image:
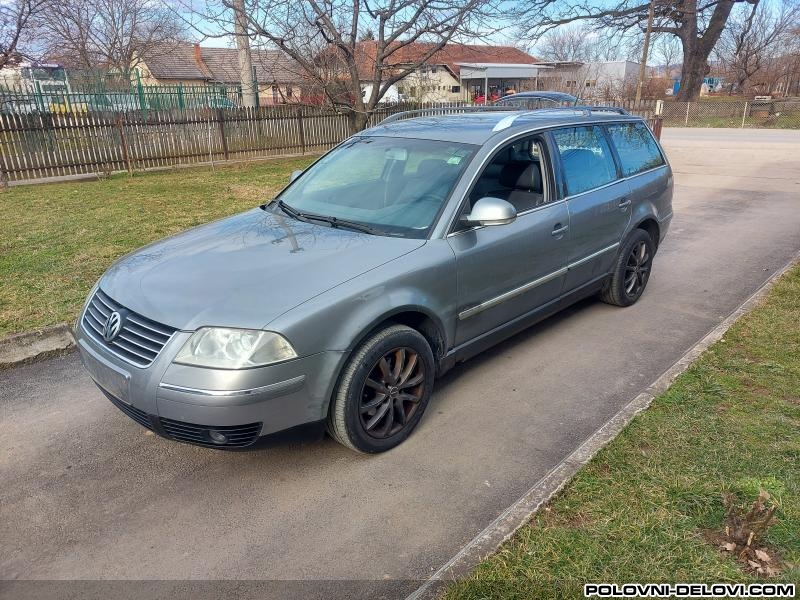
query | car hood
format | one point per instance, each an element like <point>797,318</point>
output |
<point>243,271</point>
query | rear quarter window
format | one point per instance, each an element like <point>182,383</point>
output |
<point>636,148</point>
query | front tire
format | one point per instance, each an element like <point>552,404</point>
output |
<point>383,391</point>
<point>631,271</point>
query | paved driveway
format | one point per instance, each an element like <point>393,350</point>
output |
<point>86,493</point>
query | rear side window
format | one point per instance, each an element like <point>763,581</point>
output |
<point>636,148</point>
<point>586,159</point>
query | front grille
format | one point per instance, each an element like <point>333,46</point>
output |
<point>238,435</point>
<point>134,413</point>
<point>140,339</point>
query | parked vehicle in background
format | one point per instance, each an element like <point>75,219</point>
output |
<point>536,100</point>
<point>409,247</point>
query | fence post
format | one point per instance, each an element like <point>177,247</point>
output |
<point>221,121</point>
<point>686,120</point>
<point>659,108</point>
<point>301,130</point>
<point>744,113</point>
<point>181,102</point>
<point>123,143</point>
<point>140,94</point>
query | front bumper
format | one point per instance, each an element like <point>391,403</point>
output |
<point>188,403</point>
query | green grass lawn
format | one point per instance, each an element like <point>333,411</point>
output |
<point>57,239</point>
<point>644,509</point>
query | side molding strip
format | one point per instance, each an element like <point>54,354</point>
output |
<point>466,314</point>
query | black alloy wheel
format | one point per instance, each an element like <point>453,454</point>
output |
<point>637,269</point>
<point>392,392</point>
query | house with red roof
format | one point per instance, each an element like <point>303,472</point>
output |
<point>455,72</point>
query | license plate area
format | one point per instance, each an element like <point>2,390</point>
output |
<point>108,377</point>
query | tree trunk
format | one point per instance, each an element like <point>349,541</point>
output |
<point>695,68</point>
<point>356,121</point>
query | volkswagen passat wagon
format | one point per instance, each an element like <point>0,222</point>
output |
<point>404,250</point>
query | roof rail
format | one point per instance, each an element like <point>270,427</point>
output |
<point>407,114</point>
<point>612,109</point>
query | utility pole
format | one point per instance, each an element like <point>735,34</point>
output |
<point>246,77</point>
<point>645,52</point>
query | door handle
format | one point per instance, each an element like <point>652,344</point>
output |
<point>624,203</point>
<point>559,230</point>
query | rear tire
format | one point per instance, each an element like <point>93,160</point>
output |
<point>631,271</point>
<point>383,391</point>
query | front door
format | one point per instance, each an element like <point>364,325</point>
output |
<point>508,270</point>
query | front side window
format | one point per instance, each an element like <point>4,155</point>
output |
<point>636,148</point>
<point>586,160</point>
<point>515,174</point>
<point>394,185</point>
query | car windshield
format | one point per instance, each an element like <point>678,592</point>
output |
<point>394,185</point>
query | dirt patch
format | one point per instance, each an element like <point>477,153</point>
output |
<point>742,532</point>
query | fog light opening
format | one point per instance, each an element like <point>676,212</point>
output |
<point>218,437</point>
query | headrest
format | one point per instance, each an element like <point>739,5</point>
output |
<point>522,176</point>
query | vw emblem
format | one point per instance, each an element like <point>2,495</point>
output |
<point>112,326</point>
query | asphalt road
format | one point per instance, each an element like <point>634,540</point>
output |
<point>85,493</point>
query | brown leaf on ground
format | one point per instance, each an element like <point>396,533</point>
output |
<point>762,556</point>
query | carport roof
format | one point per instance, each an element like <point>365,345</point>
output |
<point>477,70</point>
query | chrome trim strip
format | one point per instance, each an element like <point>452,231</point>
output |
<point>275,388</point>
<point>465,314</point>
<point>586,259</point>
<point>510,294</point>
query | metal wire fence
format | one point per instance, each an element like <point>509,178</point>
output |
<point>774,114</point>
<point>50,99</point>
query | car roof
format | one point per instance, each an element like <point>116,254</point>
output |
<point>478,127</point>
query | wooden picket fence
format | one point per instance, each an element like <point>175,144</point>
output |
<point>36,146</point>
<point>40,146</point>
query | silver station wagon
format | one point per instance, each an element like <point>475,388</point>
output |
<point>408,248</point>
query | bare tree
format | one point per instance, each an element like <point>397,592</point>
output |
<point>666,52</point>
<point>324,38</point>
<point>111,34</point>
<point>16,19</point>
<point>751,39</point>
<point>580,43</point>
<point>698,24</point>
<point>565,44</point>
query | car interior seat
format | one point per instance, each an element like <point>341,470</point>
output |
<point>521,183</point>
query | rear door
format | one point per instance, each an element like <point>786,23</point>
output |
<point>598,201</point>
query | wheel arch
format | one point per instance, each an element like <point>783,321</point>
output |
<point>414,316</point>
<point>650,225</point>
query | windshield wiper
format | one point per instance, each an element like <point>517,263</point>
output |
<point>296,214</point>
<point>332,221</point>
<point>337,222</point>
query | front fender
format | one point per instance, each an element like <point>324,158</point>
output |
<point>422,281</point>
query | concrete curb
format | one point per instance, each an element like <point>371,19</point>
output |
<point>519,513</point>
<point>29,346</point>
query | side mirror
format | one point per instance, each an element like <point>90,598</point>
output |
<point>295,174</point>
<point>490,211</point>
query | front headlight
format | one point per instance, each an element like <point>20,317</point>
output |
<point>223,348</point>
